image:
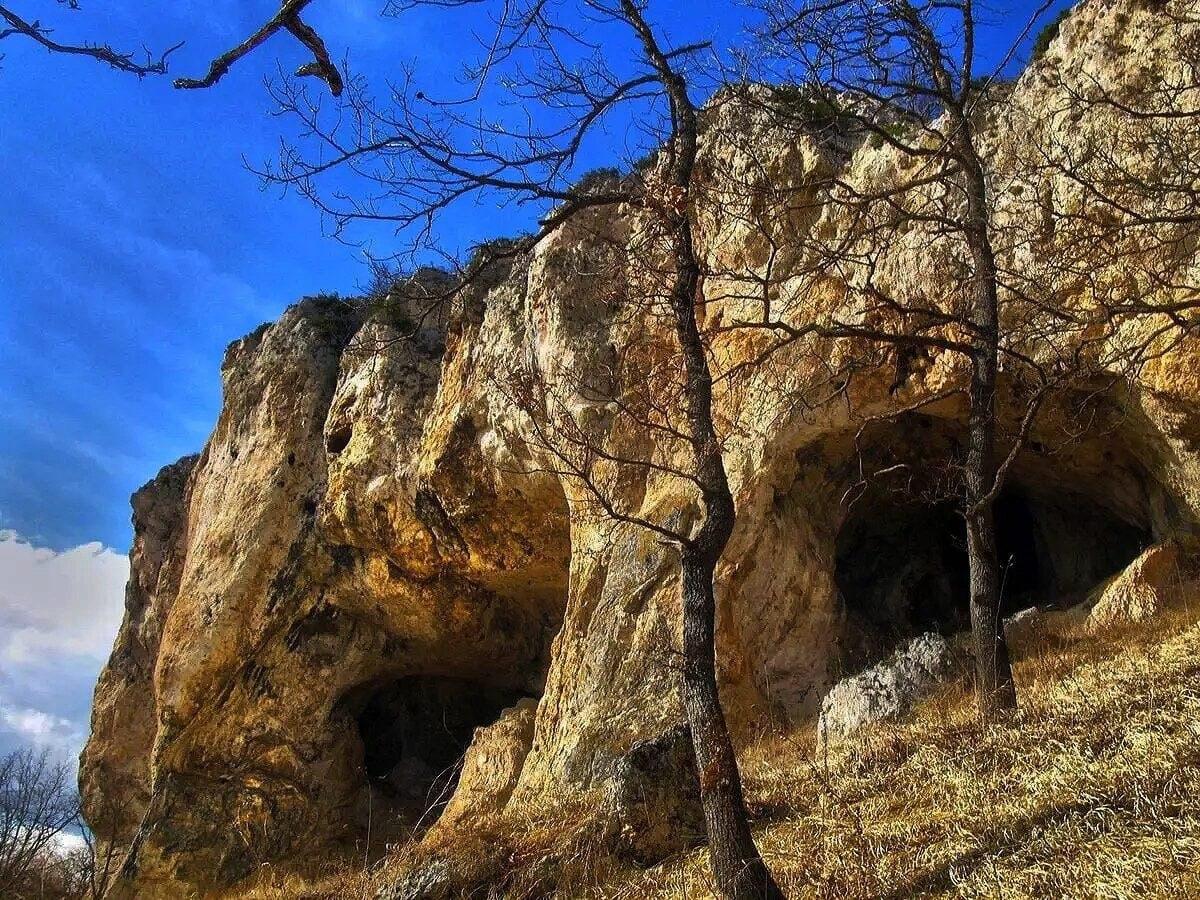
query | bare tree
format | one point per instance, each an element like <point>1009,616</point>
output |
<point>94,866</point>
<point>903,75</point>
<point>37,804</point>
<point>409,161</point>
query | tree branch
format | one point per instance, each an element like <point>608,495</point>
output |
<point>287,18</point>
<point>100,52</point>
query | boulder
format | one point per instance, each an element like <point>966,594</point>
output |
<point>887,690</point>
<point>492,764</point>
<point>443,878</point>
<point>1022,626</point>
<point>1139,591</point>
<point>653,799</point>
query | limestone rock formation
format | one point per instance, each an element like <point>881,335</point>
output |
<point>887,691</point>
<point>491,765</point>
<point>1140,590</point>
<point>442,879</point>
<point>116,786</point>
<point>383,559</point>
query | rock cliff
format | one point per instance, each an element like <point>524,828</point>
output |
<point>380,561</point>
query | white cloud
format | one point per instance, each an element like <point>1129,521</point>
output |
<point>40,728</point>
<point>51,602</point>
<point>59,613</point>
<point>67,842</point>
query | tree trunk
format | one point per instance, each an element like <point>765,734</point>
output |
<point>995,691</point>
<point>737,867</point>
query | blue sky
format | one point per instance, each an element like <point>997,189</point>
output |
<point>144,247</point>
<point>135,247</point>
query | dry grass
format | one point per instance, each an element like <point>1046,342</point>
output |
<point>1092,790</point>
<point>559,852</point>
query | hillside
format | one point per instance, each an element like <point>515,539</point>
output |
<point>1092,791</point>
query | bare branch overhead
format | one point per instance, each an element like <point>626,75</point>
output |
<point>125,62</point>
<point>288,18</point>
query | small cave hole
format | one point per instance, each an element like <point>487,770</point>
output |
<point>1024,583</point>
<point>338,439</point>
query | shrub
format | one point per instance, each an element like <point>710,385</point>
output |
<point>487,251</point>
<point>645,162</point>
<point>812,105</point>
<point>598,180</point>
<point>1042,42</point>
<point>396,297</point>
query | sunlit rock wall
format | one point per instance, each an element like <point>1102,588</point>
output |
<point>387,542</point>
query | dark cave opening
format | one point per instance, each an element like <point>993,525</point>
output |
<point>901,564</point>
<point>414,731</point>
<point>1017,549</point>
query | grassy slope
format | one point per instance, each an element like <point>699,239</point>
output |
<point>1093,791</point>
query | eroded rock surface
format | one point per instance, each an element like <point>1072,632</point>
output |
<point>492,765</point>
<point>115,766</point>
<point>1140,590</point>
<point>376,565</point>
<point>887,691</point>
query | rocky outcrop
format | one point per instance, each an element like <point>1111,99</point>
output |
<point>291,643</point>
<point>887,691</point>
<point>386,557</point>
<point>115,766</point>
<point>491,765</point>
<point>1140,590</point>
<point>441,879</point>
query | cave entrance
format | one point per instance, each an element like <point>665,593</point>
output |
<point>414,731</point>
<point>1018,553</point>
<point>901,564</point>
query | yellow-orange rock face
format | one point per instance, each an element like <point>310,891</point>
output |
<point>385,546</point>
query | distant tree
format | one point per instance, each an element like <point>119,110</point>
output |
<point>90,869</point>
<point>37,804</point>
